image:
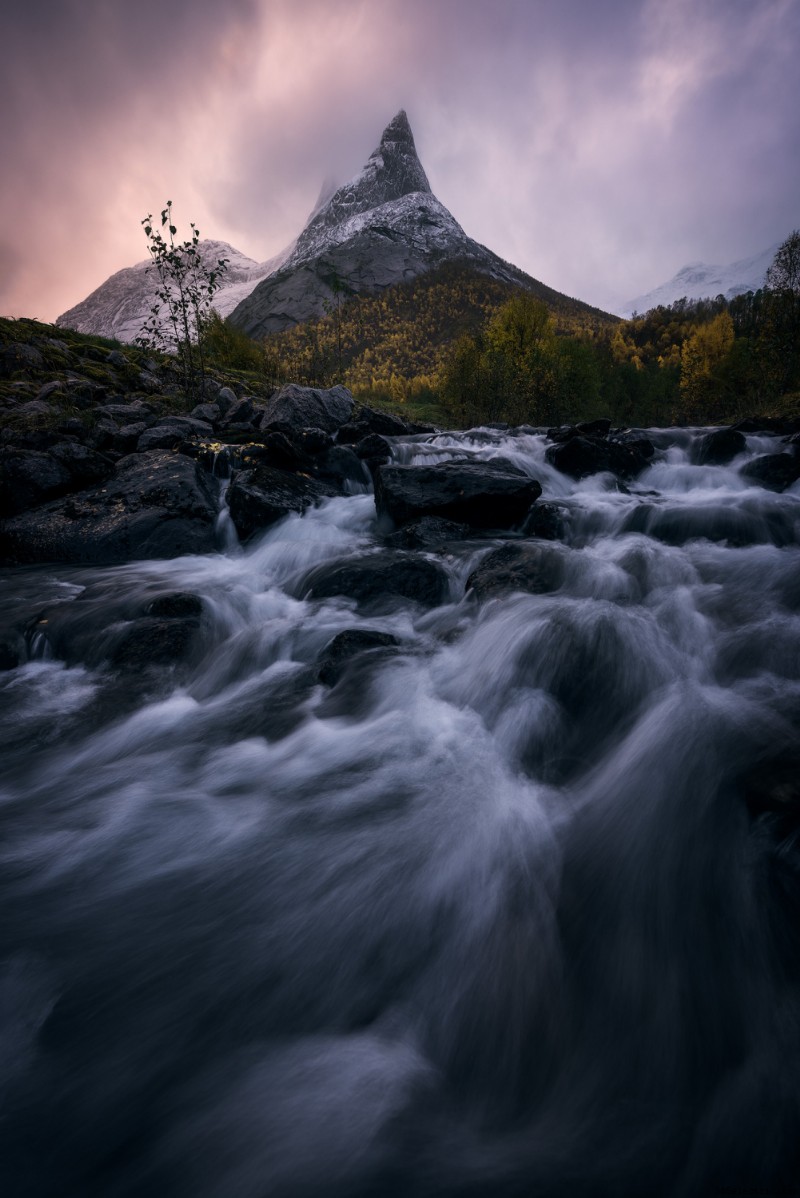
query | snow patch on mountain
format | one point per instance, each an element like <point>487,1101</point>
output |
<point>699,280</point>
<point>120,307</point>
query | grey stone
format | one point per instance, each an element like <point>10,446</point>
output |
<point>310,407</point>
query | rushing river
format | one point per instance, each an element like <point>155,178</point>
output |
<point>511,909</point>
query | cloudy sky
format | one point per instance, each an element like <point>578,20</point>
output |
<point>598,144</point>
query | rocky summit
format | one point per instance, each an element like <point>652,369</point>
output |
<point>382,228</point>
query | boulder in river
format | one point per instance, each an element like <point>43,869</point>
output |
<point>259,497</point>
<point>580,455</point>
<point>775,471</point>
<point>719,447</point>
<point>537,569</point>
<point>156,505</point>
<point>481,494</point>
<point>347,645</point>
<point>376,577</point>
<point>431,532</point>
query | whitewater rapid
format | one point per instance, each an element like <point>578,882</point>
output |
<point>503,912</point>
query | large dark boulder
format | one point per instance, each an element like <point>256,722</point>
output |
<point>310,407</point>
<point>719,448</point>
<point>369,422</point>
<point>105,627</point>
<point>431,532</point>
<point>259,497</point>
<point>340,466</point>
<point>545,521</point>
<point>157,505</point>
<point>775,471</point>
<point>581,455</point>
<point>346,646</point>
<point>481,494</point>
<point>537,569</point>
<point>376,577</point>
<point>30,478</point>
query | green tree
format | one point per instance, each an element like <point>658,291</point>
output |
<point>185,289</point>
<point>704,356</point>
<point>783,273</point>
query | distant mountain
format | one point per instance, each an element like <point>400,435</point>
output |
<point>382,228</point>
<point>120,306</point>
<point>698,280</point>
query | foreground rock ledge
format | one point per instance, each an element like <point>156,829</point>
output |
<point>157,505</point>
<point>481,494</point>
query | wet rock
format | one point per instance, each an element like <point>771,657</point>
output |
<point>157,505</point>
<point>262,495</point>
<point>379,576</point>
<point>545,521</point>
<point>153,642</point>
<point>159,437</point>
<point>369,422</point>
<point>310,407</point>
<point>481,494</point>
<point>225,399</point>
<point>340,466</point>
<point>579,456</point>
<point>175,604</point>
<point>127,439</point>
<point>374,450</point>
<point>431,532</point>
<point>211,413</point>
<point>29,478</point>
<point>348,645</point>
<point>85,466</point>
<point>594,428</point>
<point>775,471</point>
<point>103,435</point>
<point>738,525</point>
<point>537,569</point>
<point>12,650</point>
<point>241,411</point>
<point>720,447</point>
<point>285,452</point>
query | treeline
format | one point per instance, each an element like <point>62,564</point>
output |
<point>687,362</point>
<point>392,347</point>
<point>454,344</point>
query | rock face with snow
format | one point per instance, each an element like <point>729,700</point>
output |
<point>383,227</point>
<point>120,306</point>
<point>699,280</point>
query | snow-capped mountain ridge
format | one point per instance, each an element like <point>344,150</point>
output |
<point>385,226</point>
<point>701,280</point>
<point>120,307</point>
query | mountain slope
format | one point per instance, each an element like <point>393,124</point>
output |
<point>382,228</point>
<point>699,280</point>
<point>120,306</point>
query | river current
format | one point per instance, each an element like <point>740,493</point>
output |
<point>511,909</point>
